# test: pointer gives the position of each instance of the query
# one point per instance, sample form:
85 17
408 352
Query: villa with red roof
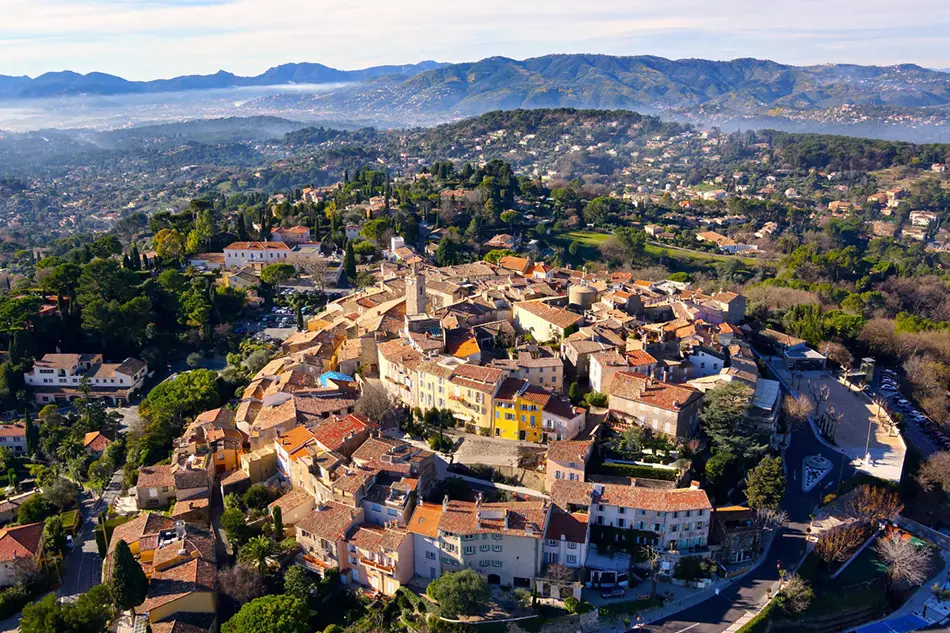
21 548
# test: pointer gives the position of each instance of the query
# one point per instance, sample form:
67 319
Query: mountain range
903 102
68 83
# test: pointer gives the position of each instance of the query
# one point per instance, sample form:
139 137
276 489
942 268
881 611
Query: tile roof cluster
570 451
557 316
333 434
515 518
156 476
646 390
169 585
330 521
571 526
574 493
425 519
376 539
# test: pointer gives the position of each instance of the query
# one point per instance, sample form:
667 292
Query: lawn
656 251
587 238
590 241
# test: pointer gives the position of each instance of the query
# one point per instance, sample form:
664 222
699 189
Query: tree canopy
270 614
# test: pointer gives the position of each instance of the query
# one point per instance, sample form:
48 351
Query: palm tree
256 552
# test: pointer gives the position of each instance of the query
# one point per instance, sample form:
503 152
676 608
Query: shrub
571 604
640 472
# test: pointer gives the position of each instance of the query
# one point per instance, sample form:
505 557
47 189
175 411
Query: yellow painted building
517 411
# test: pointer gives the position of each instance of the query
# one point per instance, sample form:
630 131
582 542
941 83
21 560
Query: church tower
415 294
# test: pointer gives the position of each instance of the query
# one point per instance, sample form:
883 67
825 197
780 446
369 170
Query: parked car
615 592
69 541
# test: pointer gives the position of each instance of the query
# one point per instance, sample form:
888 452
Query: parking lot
922 432
862 430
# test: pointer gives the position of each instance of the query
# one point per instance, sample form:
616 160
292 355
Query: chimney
445 503
694 485
478 499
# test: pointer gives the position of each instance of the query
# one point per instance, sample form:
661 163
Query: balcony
316 565
386 569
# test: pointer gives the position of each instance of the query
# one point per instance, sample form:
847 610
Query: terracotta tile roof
177 582
64 361
269 417
510 387
293 499
610 358
519 264
461 343
561 408
188 506
656 499
156 476
651 392
197 543
376 539
425 519
294 439
476 377
185 623
573 527
332 434
257 246
567 493
353 479
638 357
142 525
567 451
12 430
23 541
516 518
557 316
399 352
330 521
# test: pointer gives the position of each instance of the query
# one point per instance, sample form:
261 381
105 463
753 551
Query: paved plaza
863 428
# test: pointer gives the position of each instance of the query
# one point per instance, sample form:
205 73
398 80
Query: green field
592 240
587 238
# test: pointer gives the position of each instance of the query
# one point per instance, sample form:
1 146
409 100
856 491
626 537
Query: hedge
639 472
759 623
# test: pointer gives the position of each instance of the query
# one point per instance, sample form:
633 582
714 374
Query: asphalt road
718 612
83 564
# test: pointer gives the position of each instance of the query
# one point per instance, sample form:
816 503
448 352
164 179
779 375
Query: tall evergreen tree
127 582
278 524
32 434
349 261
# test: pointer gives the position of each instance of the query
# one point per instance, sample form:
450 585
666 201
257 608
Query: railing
379 566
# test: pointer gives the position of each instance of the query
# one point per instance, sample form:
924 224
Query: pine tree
349 261
32 434
127 582
278 524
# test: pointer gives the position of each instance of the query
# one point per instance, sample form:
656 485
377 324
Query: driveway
83 569
748 594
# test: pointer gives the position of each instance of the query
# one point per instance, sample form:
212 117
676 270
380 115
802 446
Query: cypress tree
32 434
278 524
127 582
349 261
300 323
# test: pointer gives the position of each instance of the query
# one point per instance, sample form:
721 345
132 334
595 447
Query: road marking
688 628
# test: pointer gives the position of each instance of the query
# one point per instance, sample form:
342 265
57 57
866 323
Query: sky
151 39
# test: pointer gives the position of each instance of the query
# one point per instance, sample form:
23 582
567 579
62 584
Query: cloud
144 39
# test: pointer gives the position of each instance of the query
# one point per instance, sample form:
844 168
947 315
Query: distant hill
68 83
602 81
